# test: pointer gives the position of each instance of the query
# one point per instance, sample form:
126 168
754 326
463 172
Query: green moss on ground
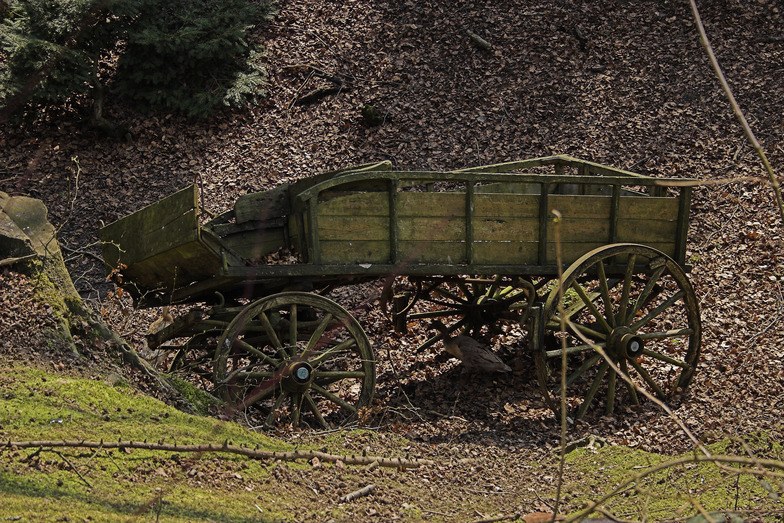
669 493
40 405
201 401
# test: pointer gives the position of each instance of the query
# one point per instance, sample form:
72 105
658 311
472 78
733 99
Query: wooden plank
129 245
360 251
156 226
256 243
353 228
356 204
645 231
579 206
262 206
614 211
499 205
648 207
581 230
508 188
503 253
505 229
684 204
469 222
437 204
432 252
394 221
432 229
174 268
544 221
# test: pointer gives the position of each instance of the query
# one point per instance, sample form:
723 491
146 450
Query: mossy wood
369 221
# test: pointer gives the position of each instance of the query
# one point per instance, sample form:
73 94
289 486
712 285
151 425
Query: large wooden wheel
480 306
298 357
627 303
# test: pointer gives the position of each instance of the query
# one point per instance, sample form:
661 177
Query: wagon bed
371 221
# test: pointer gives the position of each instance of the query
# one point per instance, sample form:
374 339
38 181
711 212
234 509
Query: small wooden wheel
635 305
299 358
477 305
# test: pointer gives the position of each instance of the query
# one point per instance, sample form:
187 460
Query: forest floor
618 83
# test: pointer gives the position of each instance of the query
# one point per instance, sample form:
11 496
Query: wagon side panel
353 228
506 228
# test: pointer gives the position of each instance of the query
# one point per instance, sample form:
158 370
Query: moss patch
201 400
115 485
673 492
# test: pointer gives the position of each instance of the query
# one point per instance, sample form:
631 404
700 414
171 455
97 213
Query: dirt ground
618 83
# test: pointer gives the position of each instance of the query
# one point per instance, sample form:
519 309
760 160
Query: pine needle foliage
189 56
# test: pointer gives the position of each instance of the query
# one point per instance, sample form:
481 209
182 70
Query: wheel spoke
630 384
556 353
597 381
587 364
494 286
605 291
666 359
658 310
649 285
449 295
647 377
316 412
611 384
253 375
469 296
588 301
580 305
293 330
325 377
589 332
261 392
333 398
434 314
673 333
256 352
627 283
296 407
316 336
434 339
327 353
273 411
273 336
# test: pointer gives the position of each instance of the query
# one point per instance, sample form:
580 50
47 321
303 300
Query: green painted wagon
478 249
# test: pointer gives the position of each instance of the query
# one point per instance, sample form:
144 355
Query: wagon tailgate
161 245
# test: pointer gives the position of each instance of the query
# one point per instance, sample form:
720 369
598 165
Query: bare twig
73 468
736 108
562 314
229 449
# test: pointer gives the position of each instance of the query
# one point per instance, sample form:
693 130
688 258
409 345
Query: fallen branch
249 452
364 491
480 42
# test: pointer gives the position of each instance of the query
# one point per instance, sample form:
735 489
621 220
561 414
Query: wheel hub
625 344
297 376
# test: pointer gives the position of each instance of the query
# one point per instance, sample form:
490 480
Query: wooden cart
478 249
